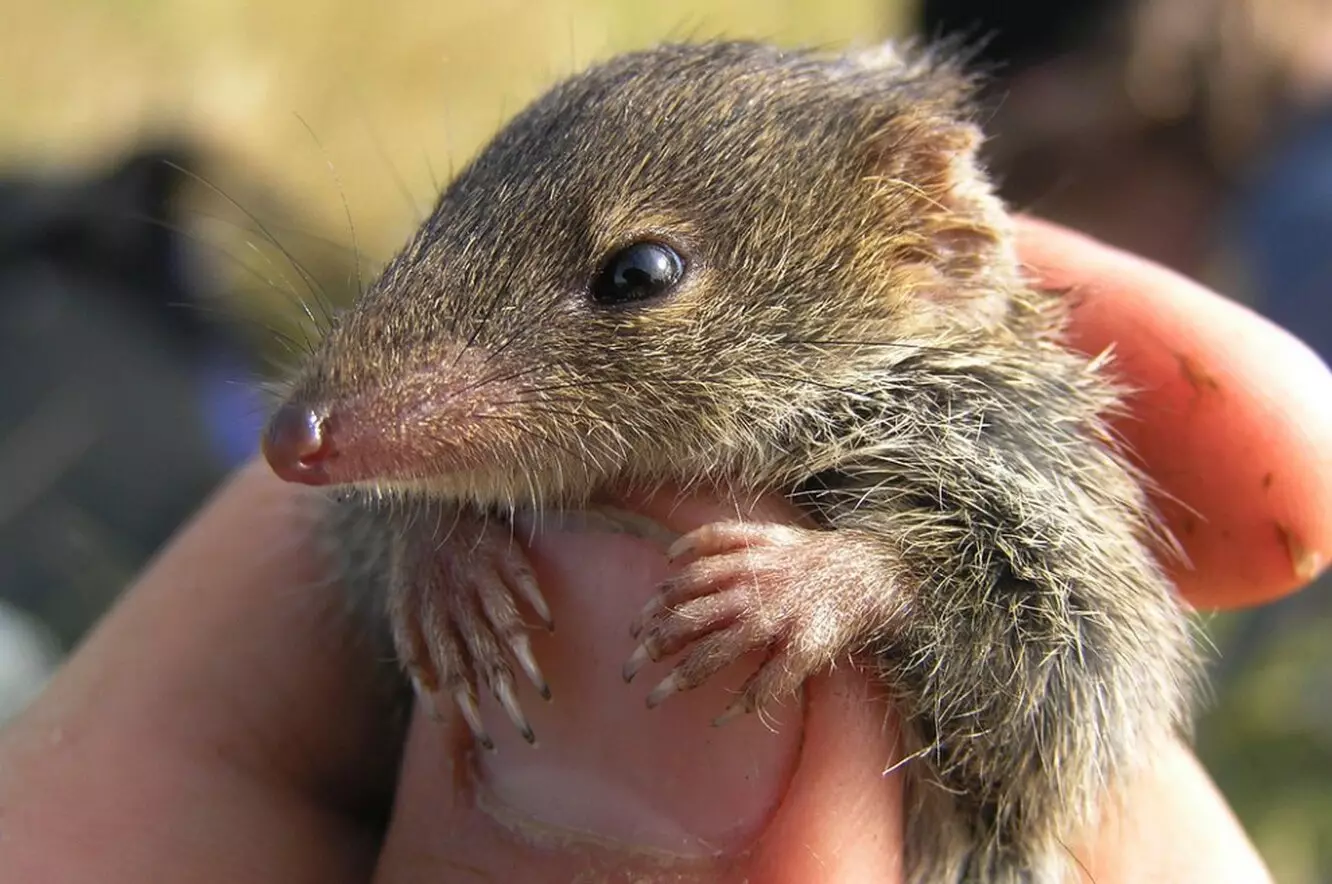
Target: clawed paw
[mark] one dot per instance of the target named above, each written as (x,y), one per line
(740,587)
(456,622)
(799,595)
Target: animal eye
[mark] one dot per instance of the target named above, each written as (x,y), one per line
(637,272)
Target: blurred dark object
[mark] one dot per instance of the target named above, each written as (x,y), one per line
(1137,120)
(1012,36)
(1067,140)
(108,361)
(1195,132)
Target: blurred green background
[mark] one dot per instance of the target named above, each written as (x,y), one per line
(335,123)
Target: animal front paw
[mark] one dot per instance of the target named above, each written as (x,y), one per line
(455,619)
(806,597)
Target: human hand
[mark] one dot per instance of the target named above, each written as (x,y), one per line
(223,725)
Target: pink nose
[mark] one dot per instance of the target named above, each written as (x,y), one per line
(297,445)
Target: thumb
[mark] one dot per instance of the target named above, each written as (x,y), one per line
(633,793)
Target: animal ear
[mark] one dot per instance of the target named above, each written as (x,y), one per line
(921,114)
(936,75)
(922,152)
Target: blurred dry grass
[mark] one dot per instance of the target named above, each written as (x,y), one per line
(394,92)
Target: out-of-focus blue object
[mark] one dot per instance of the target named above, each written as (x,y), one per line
(234,406)
(1283,232)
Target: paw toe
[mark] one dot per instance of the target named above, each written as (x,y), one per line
(723,537)
(501,685)
(710,655)
(465,700)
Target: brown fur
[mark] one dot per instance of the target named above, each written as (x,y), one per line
(853,332)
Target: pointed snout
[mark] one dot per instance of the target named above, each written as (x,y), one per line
(299,444)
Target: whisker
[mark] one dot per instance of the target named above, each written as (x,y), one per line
(316,291)
(268,283)
(229,313)
(477,328)
(527,326)
(287,229)
(494,379)
(300,302)
(342,194)
(394,173)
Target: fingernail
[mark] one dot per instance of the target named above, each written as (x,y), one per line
(605,765)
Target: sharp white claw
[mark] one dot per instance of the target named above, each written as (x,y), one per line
(636,661)
(649,611)
(503,691)
(521,646)
(732,712)
(472,715)
(425,698)
(668,686)
(682,547)
(525,584)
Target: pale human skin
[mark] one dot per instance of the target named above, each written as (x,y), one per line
(220,726)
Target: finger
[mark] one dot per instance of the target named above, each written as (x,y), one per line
(1173,825)
(218,726)
(1233,418)
(1170,825)
(637,793)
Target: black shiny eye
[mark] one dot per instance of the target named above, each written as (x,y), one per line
(634,273)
